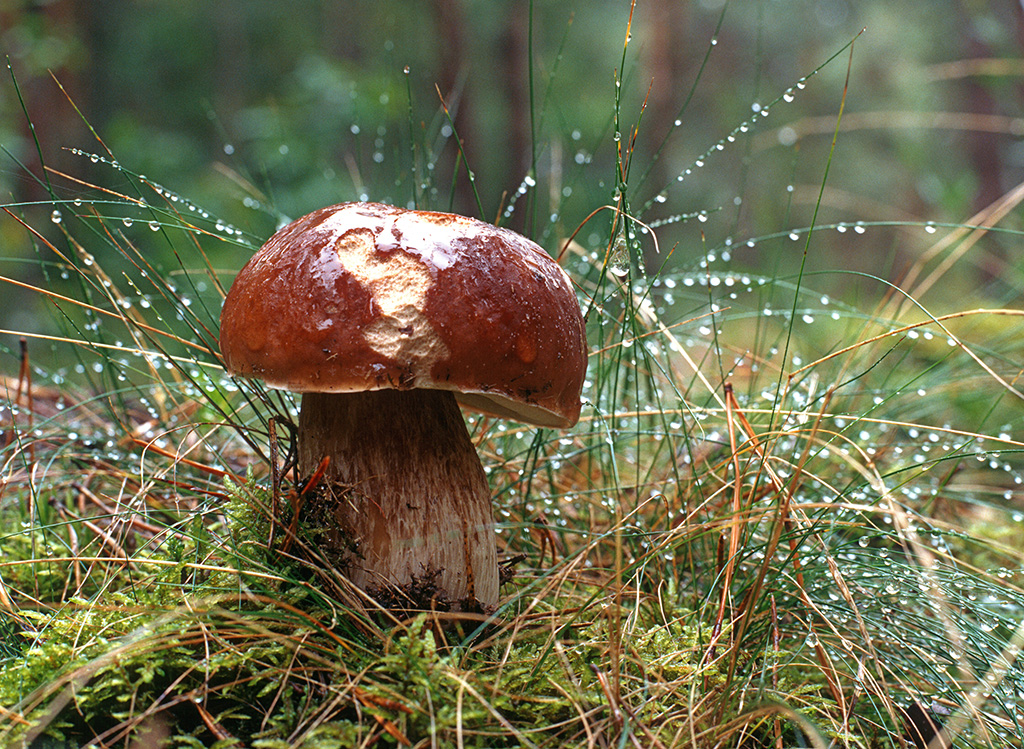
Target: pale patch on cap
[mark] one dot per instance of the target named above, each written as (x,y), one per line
(399,285)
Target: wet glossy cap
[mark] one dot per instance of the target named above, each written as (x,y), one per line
(363,296)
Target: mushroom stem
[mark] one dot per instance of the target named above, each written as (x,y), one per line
(409,497)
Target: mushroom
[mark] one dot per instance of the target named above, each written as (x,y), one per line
(386,319)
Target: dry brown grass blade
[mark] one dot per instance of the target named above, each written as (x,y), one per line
(61,299)
(828,669)
(968,236)
(736,520)
(978,66)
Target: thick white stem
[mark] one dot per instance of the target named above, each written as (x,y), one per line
(411,500)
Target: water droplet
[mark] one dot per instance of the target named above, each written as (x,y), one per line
(154,226)
(127,221)
(788,96)
(56,217)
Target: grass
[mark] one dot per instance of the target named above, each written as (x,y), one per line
(785,518)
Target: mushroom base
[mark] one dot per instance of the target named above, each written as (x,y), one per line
(407,494)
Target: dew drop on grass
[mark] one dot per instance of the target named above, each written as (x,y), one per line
(154,226)
(127,221)
(56,217)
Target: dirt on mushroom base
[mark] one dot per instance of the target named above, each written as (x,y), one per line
(322,540)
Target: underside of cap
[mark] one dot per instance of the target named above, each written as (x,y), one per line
(363,296)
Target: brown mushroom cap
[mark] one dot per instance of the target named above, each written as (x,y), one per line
(363,296)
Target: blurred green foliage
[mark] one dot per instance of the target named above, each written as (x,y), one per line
(262,110)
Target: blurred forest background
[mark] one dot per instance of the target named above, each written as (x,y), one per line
(260,110)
